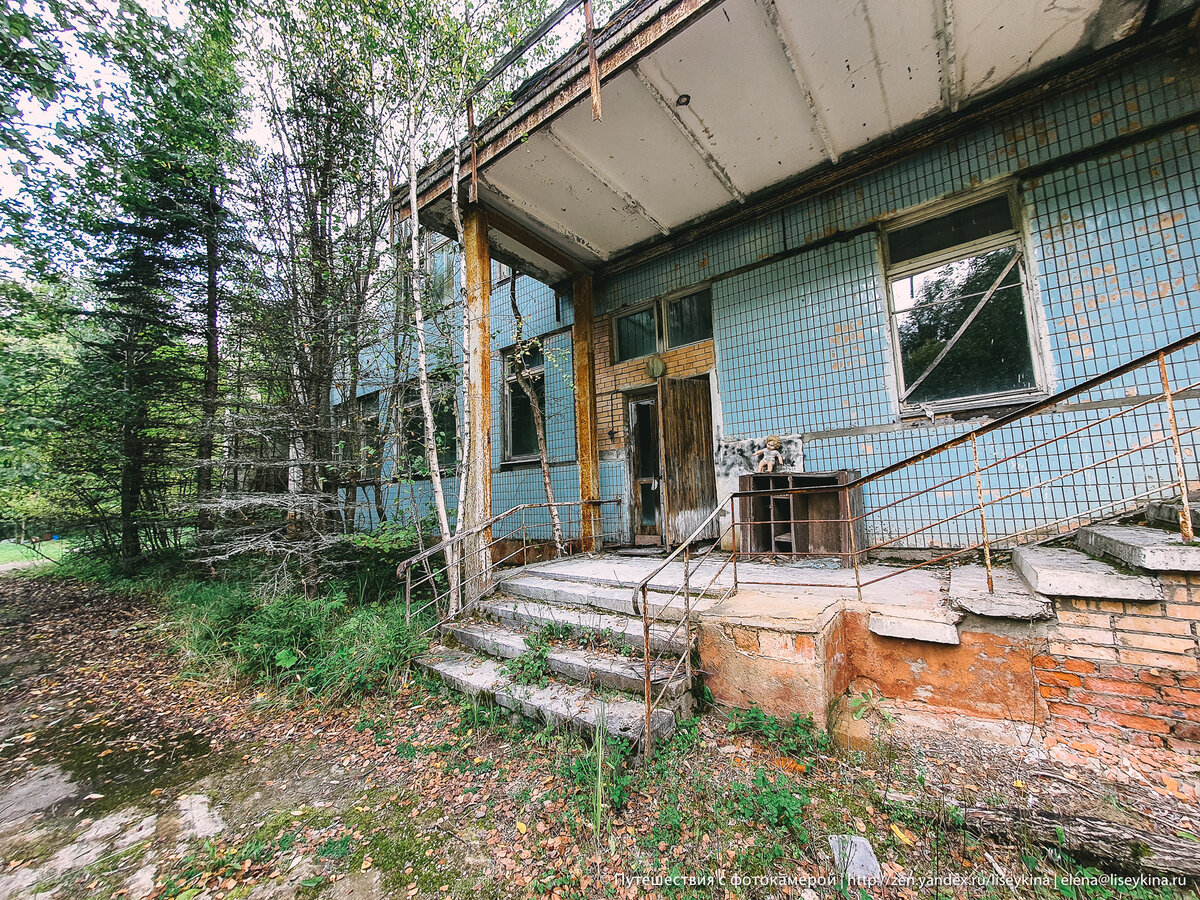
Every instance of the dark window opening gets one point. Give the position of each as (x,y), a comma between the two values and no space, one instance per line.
(636,334)
(689,319)
(521,432)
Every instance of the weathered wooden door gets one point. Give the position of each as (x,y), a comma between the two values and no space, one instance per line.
(645,472)
(689,481)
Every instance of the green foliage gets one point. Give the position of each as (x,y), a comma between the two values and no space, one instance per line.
(531,666)
(795,735)
(600,771)
(771,802)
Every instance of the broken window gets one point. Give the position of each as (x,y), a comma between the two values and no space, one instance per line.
(959,308)
(688,320)
(520,432)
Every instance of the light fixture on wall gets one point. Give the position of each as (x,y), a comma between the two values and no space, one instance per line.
(683,99)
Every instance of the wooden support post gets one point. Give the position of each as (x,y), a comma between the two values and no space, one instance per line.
(477,501)
(586,445)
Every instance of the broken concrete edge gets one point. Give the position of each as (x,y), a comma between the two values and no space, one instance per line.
(1064,572)
(913,629)
(1143,548)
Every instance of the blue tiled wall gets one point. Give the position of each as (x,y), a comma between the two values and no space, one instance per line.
(803,343)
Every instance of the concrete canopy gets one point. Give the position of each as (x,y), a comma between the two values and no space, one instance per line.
(710,105)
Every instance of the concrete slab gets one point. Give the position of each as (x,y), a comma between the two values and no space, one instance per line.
(913,629)
(1063,572)
(624,629)
(1010,599)
(585,666)
(855,858)
(1145,548)
(1166,513)
(556,703)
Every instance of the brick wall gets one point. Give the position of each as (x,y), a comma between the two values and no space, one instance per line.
(1126,671)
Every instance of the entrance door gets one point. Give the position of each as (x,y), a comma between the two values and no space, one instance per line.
(686,437)
(645,459)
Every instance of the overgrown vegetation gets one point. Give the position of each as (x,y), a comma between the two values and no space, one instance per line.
(343,642)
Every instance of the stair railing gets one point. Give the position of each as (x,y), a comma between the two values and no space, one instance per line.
(436,579)
(1097,450)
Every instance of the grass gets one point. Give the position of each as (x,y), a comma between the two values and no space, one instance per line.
(11,551)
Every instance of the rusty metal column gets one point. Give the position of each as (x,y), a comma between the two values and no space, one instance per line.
(586,447)
(477,501)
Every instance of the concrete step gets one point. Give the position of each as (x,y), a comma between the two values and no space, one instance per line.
(556,703)
(1063,572)
(623,629)
(928,630)
(588,667)
(1145,548)
(1165,513)
(607,573)
(1009,599)
(589,594)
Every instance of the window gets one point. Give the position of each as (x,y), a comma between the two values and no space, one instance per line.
(520,439)
(412,459)
(688,320)
(959,308)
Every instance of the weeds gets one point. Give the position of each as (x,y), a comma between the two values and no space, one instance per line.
(795,735)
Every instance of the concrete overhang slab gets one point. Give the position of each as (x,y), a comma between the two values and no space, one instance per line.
(708,105)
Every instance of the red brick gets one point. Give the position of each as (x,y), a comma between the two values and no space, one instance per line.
(1188,731)
(1118,673)
(1189,681)
(1142,739)
(1109,701)
(1156,678)
(1137,723)
(1188,698)
(1173,712)
(1079,666)
(1058,693)
(1124,688)
(1183,610)
(1045,662)
(1060,678)
(1104,731)
(1190,747)
(1153,625)
(1070,711)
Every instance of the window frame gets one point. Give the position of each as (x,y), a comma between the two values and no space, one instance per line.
(1016,237)
(662,318)
(536,373)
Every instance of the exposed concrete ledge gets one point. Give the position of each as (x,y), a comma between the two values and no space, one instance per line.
(1145,548)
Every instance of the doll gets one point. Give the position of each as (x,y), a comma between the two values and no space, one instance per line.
(771,455)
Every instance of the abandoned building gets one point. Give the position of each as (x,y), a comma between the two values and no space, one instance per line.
(945,256)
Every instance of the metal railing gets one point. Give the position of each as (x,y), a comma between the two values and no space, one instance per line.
(1099,449)
(441,581)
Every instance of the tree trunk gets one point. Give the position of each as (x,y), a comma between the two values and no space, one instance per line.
(535,405)
(208,405)
(1129,849)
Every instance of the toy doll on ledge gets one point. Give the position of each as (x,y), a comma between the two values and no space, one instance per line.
(771,455)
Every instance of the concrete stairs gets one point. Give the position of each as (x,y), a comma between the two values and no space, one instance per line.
(594,667)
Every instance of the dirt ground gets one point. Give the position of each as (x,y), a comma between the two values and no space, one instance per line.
(125,773)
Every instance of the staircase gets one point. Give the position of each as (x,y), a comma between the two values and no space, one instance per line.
(593,642)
